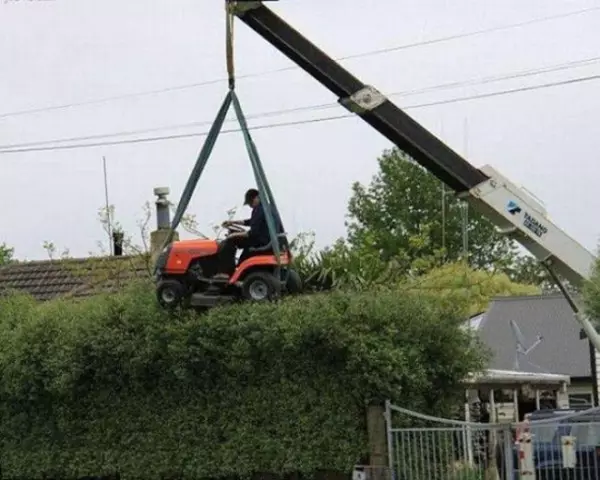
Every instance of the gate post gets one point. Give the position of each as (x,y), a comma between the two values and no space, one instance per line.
(378,441)
(390,438)
(508,470)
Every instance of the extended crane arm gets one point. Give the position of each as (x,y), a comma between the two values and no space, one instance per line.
(510,208)
(364,100)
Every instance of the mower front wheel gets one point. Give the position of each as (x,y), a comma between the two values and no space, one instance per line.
(260,286)
(170,293)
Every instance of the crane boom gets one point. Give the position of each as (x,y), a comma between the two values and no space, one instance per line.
(514,212)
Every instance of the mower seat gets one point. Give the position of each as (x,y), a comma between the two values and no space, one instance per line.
(269,246)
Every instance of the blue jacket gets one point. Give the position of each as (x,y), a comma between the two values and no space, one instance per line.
(259,229)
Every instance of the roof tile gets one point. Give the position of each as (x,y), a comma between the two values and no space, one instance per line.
(80,277)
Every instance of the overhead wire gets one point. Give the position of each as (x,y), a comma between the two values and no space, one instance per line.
(315,107)
(470,34)
(380,51)
(298,122)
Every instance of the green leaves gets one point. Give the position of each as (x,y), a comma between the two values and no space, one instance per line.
(591,294)
(406,215)
(6,254)
(114,382)
(405,224)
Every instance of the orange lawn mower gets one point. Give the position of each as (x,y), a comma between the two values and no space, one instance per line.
(186,272)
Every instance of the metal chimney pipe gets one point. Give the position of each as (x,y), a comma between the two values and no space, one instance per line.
(118,238)
(163,212)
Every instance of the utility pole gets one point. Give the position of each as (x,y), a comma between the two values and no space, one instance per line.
(107,205)
(594,373)
(593,369)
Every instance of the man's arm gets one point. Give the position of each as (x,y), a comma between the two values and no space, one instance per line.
(244,223)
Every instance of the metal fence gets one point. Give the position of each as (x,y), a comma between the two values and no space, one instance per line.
(427,448)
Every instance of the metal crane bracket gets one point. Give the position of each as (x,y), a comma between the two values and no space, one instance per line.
(365,100)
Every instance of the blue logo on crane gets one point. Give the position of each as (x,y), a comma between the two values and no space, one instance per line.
(529,222)
(513,207)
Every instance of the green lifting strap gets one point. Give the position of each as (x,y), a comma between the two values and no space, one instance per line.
(265,193)
(203,157)
(264,189)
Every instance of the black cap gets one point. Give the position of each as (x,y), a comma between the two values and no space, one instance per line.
(250,195)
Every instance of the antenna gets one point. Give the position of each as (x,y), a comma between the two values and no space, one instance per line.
(108,218)
(520,349)
(465,205)
(466,137)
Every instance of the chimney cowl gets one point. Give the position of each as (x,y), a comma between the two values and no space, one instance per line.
(161,192)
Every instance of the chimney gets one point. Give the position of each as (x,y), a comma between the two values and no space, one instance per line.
(163,214)
(163,220)
(118,238)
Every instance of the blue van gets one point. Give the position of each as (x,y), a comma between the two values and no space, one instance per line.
(547,446)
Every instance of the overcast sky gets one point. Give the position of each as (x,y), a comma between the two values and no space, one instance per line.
(56,52)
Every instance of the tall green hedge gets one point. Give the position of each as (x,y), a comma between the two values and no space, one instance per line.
(115,383)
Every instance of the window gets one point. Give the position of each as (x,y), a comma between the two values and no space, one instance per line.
(586,433)
(544,433)
(580,400)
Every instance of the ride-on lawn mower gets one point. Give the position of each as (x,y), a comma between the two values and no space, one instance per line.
(186,269)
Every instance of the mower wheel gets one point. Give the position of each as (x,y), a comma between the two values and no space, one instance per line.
(293,282)
(260,286)
(169,293)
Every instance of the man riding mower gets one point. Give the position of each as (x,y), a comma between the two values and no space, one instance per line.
(204,273)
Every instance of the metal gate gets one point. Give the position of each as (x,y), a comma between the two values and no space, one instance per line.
(421,447)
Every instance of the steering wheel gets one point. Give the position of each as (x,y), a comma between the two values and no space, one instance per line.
(234,229)
(228,230)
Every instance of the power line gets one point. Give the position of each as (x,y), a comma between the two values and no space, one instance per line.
(471,34)
(294,67)
(171,127)
(298,122)
(507,92)
(408,93)
(509,76)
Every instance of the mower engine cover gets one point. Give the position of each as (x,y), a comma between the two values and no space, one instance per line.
(175,259)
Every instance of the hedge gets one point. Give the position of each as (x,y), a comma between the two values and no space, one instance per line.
(114,383)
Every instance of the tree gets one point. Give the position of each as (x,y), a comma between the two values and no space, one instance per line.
(404,214)
(527,269)
(6,254)
(460,285)
(591,293)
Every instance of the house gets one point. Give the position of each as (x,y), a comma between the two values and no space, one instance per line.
(82,277)
(539,334)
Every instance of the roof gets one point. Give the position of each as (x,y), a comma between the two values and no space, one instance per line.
(560,350)
(510,376)
(80,277)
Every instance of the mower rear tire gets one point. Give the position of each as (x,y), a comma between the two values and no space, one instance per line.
(170,293)
(293,282)
(260,286)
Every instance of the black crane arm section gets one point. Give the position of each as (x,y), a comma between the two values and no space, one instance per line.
(372,106)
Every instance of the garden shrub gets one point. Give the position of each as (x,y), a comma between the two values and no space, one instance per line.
(115,383)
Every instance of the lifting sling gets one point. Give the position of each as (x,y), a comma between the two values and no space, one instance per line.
(265,193)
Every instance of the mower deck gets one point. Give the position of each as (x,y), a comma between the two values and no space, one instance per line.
(208,300)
